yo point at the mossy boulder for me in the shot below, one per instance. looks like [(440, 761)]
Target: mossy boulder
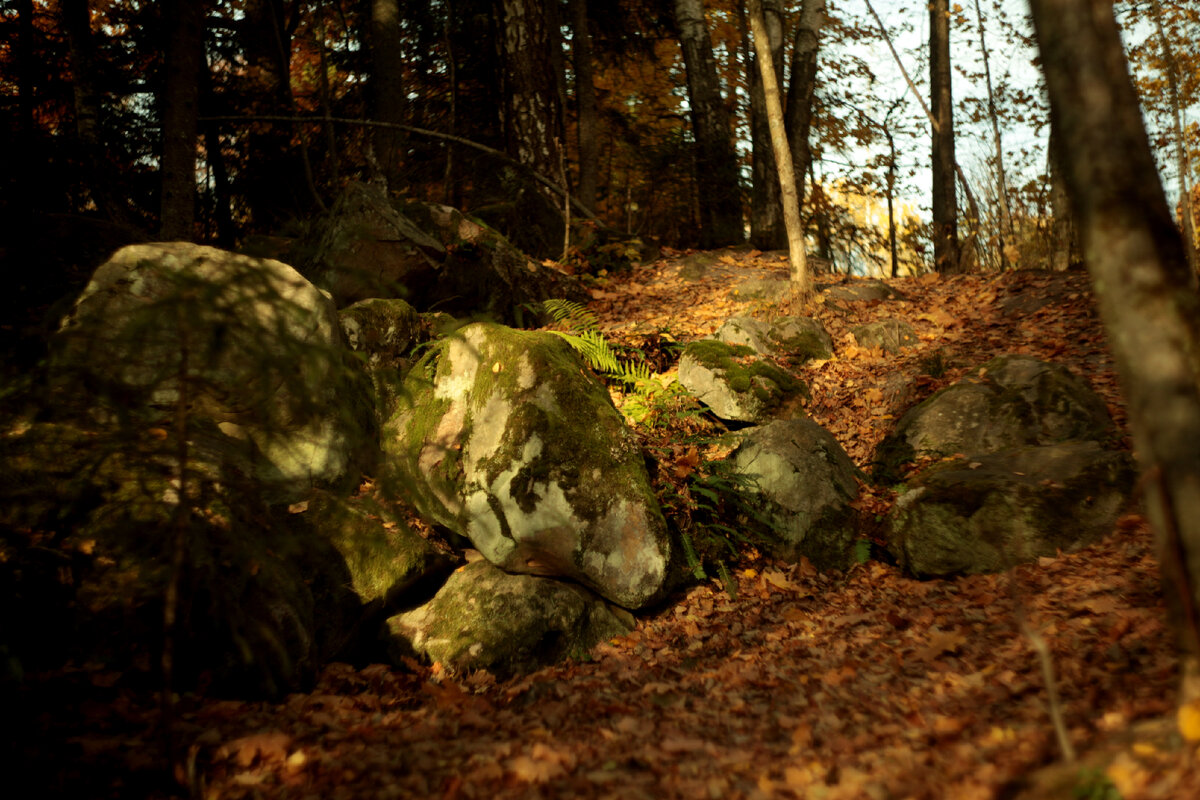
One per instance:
[(387, 332), (365, 247), (991, 512), (261, 606), (485, 618), (387, 560), (507, 439), (259, 347), (484, 273), (1010, 401), (803, 485), (798, 338), (889, 335), (739, 385), (860, 290)]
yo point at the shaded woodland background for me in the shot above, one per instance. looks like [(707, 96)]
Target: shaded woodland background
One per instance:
[(222, 121)]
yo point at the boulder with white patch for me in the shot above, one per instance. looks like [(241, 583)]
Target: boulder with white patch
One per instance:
[(507, 439)]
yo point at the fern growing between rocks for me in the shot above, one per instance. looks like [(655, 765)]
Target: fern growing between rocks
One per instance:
[(586, 339)]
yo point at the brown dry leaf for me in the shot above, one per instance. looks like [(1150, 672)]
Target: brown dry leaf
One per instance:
[(940, 642), (532, 770), (267, 746)]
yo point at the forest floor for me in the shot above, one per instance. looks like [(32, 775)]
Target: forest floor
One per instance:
[(865, 684)]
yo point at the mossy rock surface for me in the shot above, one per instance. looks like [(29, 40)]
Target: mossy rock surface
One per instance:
[(384, 556), (738, 385), (797, 338), (889, 335), (261, 606), (804, 484), (260, 346), (485, 618), (507, 439), (1011, 401), (991, 512)]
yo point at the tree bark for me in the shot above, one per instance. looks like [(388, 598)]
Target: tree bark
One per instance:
[(946, 255), (388, 101), (531, 111), (716, 168), (180, 111), (1064, 237), (585, 98), (797, 259), (767, 228), (803, 85), (1136, 258), (76, 18), (1181, 154), (274, 179), (1001, 178)]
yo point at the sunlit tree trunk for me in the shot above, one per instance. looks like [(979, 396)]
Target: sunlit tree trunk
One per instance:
[(1181, 156), (798, 114), (767, 230), (585, 98), (1005, 235), (1136, 257), (801, 282), (716, 160), (180, 110), (943, 196)]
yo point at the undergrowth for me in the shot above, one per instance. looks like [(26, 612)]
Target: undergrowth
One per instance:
[(705, 500)]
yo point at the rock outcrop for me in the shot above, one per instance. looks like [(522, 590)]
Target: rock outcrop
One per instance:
[(803, 485), (508, 440), (737, 384)]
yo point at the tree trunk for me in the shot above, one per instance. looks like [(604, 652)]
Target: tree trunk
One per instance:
[(1001, 178), (804, 82), (1136, 257), (946, 255), (1171, 68), (385, 48), (24, 169), (76, 17), (767, 229), (273, 180), (585, 97), (1064, 238), (180, 110), (716, 166), (531, 113), (801, 283)]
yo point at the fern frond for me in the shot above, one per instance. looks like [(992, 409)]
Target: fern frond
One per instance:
[(575, 315)]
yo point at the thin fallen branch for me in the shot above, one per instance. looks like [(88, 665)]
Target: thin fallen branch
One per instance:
[(449, 137)]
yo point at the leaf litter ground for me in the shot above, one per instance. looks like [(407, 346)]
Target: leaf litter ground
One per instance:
[(857, 685)]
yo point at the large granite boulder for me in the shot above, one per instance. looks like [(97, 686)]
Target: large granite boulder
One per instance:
[(1011, 401), (889, 335), (798, 338), (431, 255), (260, 606), (803, 484), (366, 248), (505, 438), (485, 618), (246, 344), (987, 513), (737, 384), (484, 273), (386, 334)]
